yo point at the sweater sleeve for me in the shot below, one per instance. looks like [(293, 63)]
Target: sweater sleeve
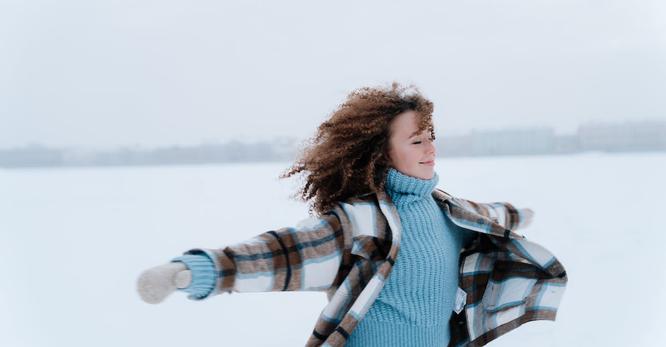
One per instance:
[(203, 275)]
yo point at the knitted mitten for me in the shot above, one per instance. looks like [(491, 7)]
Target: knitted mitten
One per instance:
[(156, 283)]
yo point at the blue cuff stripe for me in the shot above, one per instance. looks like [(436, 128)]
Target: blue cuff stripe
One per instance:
[(203, 275)]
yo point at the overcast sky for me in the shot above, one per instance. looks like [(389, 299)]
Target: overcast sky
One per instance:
[(150, 73)]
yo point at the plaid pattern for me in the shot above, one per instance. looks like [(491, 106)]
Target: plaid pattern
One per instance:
[(349, 253)]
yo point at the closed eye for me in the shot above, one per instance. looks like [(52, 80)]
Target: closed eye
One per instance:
[(417, 142)]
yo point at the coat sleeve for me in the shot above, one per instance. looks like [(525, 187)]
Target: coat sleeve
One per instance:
[(306, 257), (503, 213)]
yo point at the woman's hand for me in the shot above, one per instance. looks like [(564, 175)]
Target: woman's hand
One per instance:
[(156, 283)]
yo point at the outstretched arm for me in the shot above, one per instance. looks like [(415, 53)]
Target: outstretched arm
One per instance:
[(502, 213), (307, 257)]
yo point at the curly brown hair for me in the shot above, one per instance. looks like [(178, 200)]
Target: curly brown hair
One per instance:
[(348, 156)]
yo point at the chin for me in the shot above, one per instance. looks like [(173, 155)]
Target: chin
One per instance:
[(430, 174), (426, 175)]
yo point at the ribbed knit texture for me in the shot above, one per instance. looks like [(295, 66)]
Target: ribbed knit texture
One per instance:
[(416, 303), (203, 275)]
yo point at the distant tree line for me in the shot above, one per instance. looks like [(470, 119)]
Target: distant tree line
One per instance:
[(618, 137)]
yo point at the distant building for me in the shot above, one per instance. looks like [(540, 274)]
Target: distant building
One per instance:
[(500, 142), (33, 155), (569, 143), (627, 136)]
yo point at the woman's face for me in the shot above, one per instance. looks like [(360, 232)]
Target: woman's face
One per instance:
[(410, 152)]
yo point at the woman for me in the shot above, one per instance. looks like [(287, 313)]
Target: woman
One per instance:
[(462, 277)]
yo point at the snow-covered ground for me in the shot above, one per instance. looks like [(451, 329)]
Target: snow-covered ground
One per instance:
[(73, 241)]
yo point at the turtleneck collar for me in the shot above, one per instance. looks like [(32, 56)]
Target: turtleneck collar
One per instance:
[(404, 189)]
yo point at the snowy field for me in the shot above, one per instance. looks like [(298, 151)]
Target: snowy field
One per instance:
[(73, 242)]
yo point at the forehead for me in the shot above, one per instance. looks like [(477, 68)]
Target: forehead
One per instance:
[(406, 125)]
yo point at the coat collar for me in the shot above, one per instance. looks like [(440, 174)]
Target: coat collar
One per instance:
[(458, 212)]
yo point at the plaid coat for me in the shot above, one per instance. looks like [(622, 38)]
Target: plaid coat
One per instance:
[(349, 252)]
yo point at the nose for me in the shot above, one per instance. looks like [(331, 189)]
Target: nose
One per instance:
[(432, 149)]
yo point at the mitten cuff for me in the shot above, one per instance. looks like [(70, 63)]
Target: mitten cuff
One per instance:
[(203, 275)]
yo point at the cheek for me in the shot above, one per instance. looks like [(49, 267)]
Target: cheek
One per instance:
[(413, 154), (405, 155), (409, 156)]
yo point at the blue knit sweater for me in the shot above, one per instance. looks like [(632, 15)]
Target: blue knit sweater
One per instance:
[(416, 303)]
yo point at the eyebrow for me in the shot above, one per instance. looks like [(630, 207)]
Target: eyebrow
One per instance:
[(414, 134)]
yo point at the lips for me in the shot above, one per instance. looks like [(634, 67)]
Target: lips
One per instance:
[(429, 162)]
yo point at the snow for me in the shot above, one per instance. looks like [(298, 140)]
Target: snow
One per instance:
[(74, 240)]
